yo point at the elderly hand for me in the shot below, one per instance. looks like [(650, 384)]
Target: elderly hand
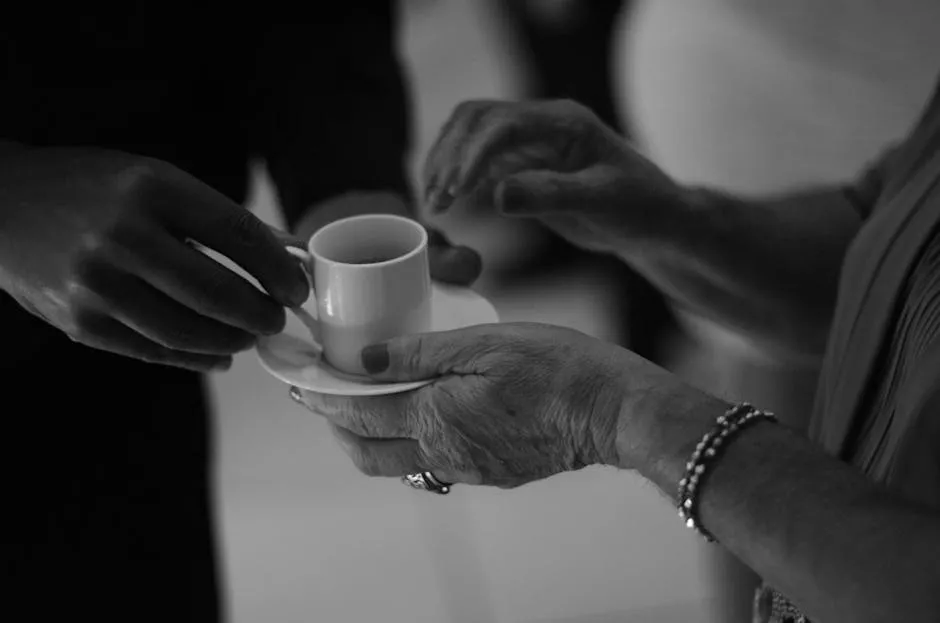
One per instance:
[(509, 404), (558, 162)]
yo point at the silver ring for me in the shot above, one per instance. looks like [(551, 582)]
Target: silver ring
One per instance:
[(426, 481)]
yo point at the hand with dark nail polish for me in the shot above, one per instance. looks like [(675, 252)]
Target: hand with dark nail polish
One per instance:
[(554, 161), (509, 403)]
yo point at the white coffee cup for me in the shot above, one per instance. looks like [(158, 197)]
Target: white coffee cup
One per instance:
[(369, 282)]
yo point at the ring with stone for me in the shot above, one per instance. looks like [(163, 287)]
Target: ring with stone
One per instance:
[(426, 481)]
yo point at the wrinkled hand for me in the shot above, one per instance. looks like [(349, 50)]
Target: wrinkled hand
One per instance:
[(556, 161), (509, 404), (98, 243)]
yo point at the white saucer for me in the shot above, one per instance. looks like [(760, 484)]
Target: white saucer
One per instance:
[(294, 358)]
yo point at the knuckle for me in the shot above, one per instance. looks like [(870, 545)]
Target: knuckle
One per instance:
[(92, 247), (99, 253), (469, 114), (245, 229), (411, 355), (486, 114), (362, 424), (90, 269), (140, 179), (76, 296), (362, 419), (423, 420)]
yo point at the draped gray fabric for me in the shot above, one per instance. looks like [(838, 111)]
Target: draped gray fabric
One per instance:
[(878, 401)]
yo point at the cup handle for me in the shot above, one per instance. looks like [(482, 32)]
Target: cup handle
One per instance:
[(310, 320)]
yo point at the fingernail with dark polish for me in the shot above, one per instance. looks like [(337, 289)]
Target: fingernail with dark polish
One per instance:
[(375, 358)]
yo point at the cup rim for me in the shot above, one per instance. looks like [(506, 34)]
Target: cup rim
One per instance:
[(421, 246)]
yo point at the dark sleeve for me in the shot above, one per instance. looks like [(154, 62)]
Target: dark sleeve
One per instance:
[(332, 106)]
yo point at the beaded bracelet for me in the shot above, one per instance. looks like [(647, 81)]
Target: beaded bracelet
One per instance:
[(706, 453)]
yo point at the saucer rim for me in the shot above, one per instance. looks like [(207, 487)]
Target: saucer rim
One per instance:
[(378, 389)]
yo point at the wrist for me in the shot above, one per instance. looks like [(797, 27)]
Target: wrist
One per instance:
[(693, 220), (660, 425), (675, 226)]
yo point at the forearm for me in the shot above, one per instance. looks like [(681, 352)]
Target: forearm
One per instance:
[(811, 526), (767, 268)]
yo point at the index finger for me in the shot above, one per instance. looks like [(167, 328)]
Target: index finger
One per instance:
[(384, 417), (194, 210), (438, 164)]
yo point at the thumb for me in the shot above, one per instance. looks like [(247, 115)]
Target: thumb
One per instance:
[(536, 193), (424, 356)]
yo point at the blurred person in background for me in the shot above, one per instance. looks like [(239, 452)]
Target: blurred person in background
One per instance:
[(840, 520), (125, 136), (564, 49)]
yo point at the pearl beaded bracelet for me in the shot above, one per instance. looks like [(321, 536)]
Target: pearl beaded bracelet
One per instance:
[(706, 453)]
